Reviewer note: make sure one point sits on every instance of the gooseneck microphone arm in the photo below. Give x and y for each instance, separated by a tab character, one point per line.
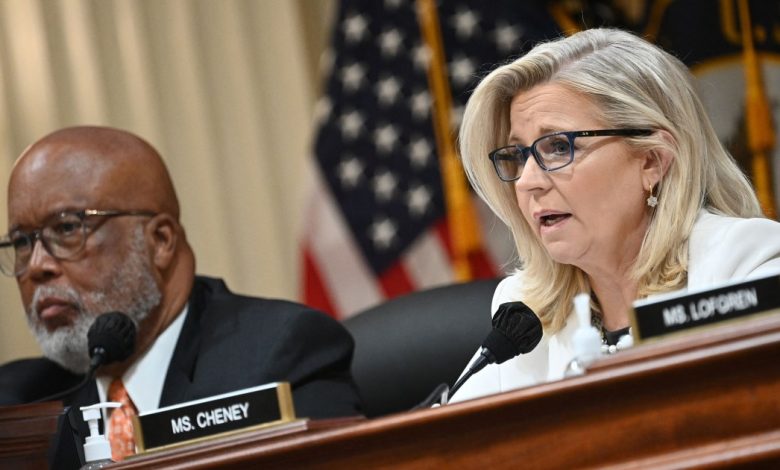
87	378
111	338
479	363
516	330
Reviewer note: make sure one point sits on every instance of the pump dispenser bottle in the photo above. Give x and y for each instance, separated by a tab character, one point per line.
586	340
97	449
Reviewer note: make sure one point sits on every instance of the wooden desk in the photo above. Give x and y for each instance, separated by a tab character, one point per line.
709	400
25	434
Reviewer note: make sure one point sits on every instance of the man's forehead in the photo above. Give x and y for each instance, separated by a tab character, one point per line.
48	182
90	168
50	160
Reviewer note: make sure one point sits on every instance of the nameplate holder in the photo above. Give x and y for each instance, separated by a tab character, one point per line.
243	410
671	314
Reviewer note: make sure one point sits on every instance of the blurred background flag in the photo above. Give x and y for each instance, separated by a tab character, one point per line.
390	211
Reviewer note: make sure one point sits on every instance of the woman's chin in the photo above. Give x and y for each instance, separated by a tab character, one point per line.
562	252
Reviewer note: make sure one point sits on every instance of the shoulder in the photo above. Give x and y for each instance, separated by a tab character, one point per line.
25	380
213	295
256	315
709	224
722	248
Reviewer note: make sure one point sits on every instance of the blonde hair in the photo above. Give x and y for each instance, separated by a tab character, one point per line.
634	84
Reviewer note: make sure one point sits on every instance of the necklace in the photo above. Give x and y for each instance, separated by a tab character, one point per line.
610	340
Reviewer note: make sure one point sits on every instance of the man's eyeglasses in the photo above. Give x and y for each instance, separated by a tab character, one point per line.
64	236
551	152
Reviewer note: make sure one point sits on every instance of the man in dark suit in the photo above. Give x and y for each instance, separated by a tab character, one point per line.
94	227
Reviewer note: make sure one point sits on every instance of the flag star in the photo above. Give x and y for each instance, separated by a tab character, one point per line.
418	199
421	105
385	138
465	23
384	185
382	233
420	152
351	124
352	76
322	109
462	70
349	172
390	41
506	37
355	27
387	90
421	56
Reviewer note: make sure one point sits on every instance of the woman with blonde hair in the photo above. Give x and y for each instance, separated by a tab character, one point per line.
597	153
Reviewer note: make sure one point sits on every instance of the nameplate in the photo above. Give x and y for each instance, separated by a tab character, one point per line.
246	409
671	314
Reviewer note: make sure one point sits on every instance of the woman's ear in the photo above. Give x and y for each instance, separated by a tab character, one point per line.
163	231
658	161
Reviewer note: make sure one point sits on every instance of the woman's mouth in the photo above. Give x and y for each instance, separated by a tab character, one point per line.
550	220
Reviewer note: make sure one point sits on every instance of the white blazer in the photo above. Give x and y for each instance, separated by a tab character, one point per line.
720	249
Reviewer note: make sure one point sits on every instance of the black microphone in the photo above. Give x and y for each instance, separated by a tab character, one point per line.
111	338
516	330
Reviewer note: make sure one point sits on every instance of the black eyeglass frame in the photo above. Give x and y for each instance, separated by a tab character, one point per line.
522	154
38	234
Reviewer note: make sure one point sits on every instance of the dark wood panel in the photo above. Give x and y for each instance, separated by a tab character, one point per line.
710	399
25	433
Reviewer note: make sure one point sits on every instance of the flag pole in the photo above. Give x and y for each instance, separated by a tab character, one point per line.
561	16
758	117
461	216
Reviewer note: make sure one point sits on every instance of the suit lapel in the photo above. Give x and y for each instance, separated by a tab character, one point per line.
203	346
178	380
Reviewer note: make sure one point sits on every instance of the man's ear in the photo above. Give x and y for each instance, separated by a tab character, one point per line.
658	161
163	231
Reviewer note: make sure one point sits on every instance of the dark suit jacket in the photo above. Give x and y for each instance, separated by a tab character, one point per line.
228	342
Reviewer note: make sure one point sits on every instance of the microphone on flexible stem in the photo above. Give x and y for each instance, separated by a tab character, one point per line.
516	330
111	338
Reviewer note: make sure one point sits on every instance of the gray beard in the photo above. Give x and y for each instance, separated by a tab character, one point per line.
130	289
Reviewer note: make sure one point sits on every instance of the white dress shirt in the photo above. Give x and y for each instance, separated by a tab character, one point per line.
144	380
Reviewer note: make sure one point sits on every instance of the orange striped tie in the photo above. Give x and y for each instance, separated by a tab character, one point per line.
121	422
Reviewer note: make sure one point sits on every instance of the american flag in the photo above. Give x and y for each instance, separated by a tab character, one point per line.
377	226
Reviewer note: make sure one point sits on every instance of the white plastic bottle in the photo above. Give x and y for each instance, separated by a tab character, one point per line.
586	340
97	449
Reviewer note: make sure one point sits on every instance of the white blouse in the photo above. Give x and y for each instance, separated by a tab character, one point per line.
721	249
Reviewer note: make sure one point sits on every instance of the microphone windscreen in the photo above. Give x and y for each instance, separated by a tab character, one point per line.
114	332
516	330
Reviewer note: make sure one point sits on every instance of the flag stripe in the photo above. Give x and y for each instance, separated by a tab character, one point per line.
343	271
428	262
315	292
395	281
481	265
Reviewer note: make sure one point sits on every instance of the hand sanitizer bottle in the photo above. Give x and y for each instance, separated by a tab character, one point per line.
97	449
587	340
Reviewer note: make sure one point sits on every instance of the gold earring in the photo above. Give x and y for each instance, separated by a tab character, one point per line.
652	201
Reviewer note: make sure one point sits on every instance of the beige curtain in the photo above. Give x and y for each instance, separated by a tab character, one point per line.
224	89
